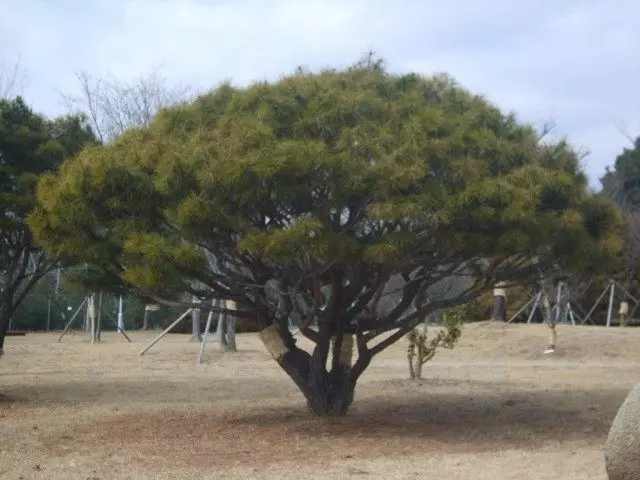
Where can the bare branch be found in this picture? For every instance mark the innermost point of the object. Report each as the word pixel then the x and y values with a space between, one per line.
pixel 12 79
pixel 114 105
pixel 623 128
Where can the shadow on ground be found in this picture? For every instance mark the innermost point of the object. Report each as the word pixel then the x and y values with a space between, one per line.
pixel 418 422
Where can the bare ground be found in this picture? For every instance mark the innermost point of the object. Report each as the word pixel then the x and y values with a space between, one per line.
pixel 493 408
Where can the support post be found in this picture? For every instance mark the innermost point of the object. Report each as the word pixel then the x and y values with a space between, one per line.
pixel 120 318
pixel 49 314
pixel 586 317
pixel 99 320
pixel 72 318
pixel 92 317
pixel 532 299
pixel 120 330
pixel 610 309
pixel 535 305
pixel 207 328
pixel 166 331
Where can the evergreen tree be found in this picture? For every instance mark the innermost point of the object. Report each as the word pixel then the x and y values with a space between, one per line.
pixel 326 195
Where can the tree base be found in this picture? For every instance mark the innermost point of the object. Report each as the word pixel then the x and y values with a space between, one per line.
pixel 330 394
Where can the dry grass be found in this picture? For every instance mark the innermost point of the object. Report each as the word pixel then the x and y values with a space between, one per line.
pixel 494 408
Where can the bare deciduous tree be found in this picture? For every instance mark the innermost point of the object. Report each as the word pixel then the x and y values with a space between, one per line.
pixel 114 105
pixel 11 79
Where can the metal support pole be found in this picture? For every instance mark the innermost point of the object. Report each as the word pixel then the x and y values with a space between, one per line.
pixel 522 309
pixel 49 314
pixel 72 318
pixel 586 317
pixel 98 331
pixel 166 331
pixel 207 328
pixel 120 330
pixel 626 292
pixel 610 310
pixel 535 305
pixel 92 318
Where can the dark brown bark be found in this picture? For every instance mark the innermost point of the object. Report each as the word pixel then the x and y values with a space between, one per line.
pixel 328 394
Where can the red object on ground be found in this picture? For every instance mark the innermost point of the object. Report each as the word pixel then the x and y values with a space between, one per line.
pixel 16 333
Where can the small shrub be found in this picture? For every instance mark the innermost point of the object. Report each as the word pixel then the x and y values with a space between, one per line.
pixel 421 350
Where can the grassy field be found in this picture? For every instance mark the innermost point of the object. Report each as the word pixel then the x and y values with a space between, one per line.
pixel 494 408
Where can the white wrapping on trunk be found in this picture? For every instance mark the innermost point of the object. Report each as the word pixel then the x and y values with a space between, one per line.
pixel 273 342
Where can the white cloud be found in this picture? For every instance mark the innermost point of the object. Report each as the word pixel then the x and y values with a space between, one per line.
pixel 571 60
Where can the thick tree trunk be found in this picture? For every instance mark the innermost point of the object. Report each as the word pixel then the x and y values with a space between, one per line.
pixel 328 393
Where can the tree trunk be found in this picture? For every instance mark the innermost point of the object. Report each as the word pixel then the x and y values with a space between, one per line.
pixel 552 338
pixel 221 331
pixel 624 320
pixel 98 331
pixel 419 364
pixel 146 321
pixel 412 372
pixel 5 316
pixel 499 311
pixel 231 334
pixel 195 326
pixel 328 393
pixel 230 328
pixel 624 314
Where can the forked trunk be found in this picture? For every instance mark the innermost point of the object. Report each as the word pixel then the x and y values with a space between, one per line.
pixel 328 393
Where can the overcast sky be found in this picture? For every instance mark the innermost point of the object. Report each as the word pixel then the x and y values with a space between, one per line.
pixel 572 61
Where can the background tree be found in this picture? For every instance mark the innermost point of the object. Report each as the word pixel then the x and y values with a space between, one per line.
pixel 11 79
pixel 114 106
pixel 342 196
pixel 29 146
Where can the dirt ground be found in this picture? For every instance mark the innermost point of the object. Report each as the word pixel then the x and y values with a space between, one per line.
pixel 493 408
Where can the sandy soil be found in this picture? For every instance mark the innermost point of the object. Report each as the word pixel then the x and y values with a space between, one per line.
pixel 494 408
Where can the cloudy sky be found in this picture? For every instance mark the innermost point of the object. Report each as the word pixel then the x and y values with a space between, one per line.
pixel 571 61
